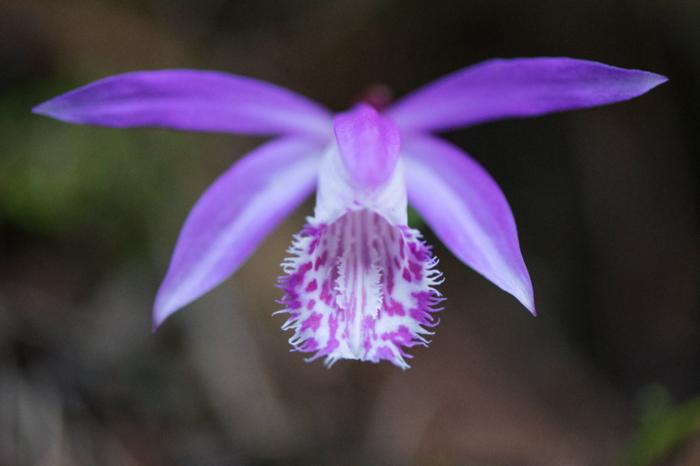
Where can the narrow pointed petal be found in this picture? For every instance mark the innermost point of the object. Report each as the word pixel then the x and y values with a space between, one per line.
pixel 233 216
pixel 359 288
pixel 467 210
pixel 516 88
pixel 189 100
pixel 369 145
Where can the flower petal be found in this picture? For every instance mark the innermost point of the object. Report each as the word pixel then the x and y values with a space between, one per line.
pixel 467 210
pixel 359 288
pixel 520 87
pixel 369 145
pixel 337 193
pixel 189 100
pixel 233 216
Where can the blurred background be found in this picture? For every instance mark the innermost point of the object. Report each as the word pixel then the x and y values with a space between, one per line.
pixel 606 202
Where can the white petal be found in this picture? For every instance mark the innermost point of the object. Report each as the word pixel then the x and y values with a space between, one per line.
pixel 336 193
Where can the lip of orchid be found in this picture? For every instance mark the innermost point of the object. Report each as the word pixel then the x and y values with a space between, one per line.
pixel 359 284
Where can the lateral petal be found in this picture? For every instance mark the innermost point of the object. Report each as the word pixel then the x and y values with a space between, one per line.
pixel 233 216
pixel 516 88
pixel 189 100
pixel 468 211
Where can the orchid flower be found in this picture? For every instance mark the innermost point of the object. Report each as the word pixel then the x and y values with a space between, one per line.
pixel 360 283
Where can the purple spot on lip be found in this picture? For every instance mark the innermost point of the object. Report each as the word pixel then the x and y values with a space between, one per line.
pixel 394 308
pixel 326 295
pixel 389 274
pixel 385 353
pixel 297 278
pixel 313 245
pixel 332 340
pixel 309 345
pixel 311 286
pixel 402 336
pixel 321 260
pixel 416 269
pixel 313 322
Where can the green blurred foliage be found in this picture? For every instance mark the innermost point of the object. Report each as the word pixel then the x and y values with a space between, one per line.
pixel 414 219
pixel 665 426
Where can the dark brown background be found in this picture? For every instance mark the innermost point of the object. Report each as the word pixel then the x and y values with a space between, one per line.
pixel 606 203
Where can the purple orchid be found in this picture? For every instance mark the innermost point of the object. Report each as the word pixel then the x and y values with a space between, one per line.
pixel 360 284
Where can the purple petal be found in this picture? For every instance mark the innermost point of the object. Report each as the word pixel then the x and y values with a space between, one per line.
pixel 368 144
pixel 520 87
pixel 189 100
pixel 467 210
pixel 233 216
